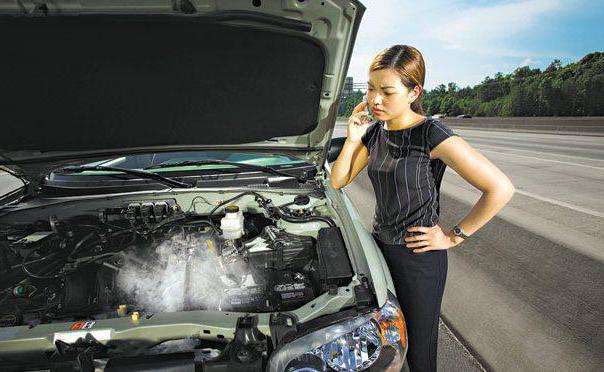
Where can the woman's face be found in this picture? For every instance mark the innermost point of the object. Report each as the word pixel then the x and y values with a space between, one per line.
pixel 386 93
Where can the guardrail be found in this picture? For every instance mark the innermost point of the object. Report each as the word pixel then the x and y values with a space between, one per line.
pixel 559 125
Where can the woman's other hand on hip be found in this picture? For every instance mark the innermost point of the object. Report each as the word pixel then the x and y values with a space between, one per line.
pixel 433 238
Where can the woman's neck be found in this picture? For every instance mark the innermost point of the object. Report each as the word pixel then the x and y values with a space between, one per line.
pixel 406 120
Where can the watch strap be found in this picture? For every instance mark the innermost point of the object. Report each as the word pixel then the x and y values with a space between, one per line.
pixel 459 232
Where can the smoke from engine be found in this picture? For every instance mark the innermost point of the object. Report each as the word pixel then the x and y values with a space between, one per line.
pixel 187 273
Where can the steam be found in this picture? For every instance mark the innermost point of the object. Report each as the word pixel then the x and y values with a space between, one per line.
pixel 187 274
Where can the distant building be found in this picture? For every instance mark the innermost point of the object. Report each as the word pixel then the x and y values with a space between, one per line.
pixel 348 86
pixel 346 92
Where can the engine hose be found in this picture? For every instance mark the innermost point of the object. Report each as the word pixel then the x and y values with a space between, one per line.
pixel 290 218
pixel 278 211
pixel 204 221
pixel 79 245
pixel 53 266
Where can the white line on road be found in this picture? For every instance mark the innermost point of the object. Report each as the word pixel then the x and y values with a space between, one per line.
pixel 583 243
pixel 561 203
pixel 540 152
pixel 550 160
pixel 545 199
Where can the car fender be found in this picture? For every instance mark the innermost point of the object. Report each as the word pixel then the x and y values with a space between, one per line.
pixel 380 274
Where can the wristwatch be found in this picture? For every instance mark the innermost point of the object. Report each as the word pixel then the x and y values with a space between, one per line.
pixel 458 231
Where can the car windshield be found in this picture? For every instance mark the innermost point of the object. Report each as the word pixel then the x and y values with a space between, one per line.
pixel 190 168
pixel 147 161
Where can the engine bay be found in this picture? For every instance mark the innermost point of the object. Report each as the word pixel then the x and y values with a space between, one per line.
pixel 141 257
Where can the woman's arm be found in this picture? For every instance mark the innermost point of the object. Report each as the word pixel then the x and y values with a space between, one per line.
pixel 352 159
pixel 353 156
pixel 496 187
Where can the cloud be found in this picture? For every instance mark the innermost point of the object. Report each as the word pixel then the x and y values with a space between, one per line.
pixel 465 40
pixel 528 62
pixel 485 29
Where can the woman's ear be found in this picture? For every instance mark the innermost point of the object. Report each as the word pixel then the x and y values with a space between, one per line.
pixel 415 93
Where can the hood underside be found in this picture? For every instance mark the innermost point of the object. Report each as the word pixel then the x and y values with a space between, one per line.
pixel 95 84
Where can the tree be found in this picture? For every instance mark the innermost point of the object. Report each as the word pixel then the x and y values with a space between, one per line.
pixel 554 66
pixel 524 72
pixel 350 103
pixel 440 90
pixel 491 89
pixel 574 89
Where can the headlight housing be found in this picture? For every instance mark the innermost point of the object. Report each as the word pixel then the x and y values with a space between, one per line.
pixel 377 339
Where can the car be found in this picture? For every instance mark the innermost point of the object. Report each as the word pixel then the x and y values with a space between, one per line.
pixel 174 210
pixel 438 116
pixel 464 116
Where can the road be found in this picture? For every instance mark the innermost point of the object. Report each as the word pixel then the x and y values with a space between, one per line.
pixel 526 292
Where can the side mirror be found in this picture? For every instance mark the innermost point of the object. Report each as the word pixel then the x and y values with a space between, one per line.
pixel 335 146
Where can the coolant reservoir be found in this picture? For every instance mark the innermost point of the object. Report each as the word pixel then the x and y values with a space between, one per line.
pixel 232 223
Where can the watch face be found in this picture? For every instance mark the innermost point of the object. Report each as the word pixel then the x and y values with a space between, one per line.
pixel 457 230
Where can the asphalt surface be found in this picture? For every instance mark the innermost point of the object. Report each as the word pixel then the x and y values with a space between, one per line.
pixel 526 292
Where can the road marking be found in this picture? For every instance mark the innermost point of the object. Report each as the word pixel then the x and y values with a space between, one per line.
pixel 547 200
pixel 542 153
pixel 550 160
pixel 582 242
pixel 561 203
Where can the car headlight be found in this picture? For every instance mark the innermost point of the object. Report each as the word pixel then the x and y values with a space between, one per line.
pixel 377 339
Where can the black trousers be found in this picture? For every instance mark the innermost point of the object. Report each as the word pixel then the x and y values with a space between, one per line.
pixel 419 280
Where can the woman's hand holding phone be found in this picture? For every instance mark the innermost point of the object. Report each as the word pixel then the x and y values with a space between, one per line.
pixel 358 122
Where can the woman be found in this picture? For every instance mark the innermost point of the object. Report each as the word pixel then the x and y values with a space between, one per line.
pixel 406 154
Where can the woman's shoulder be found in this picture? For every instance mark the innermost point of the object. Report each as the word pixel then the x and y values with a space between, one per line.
pixel 437 131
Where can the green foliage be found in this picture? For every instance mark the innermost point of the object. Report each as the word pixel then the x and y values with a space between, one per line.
pixel 576 89
pixel 350 103
pixel 573 90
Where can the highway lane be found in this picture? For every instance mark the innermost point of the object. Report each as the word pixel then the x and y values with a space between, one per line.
pixel 565 146
pixel 526 292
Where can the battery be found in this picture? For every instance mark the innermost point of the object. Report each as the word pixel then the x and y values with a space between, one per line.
pixel 252 298
pixel 290 290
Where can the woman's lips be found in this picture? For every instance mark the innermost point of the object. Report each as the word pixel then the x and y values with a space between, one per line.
pixel 377 111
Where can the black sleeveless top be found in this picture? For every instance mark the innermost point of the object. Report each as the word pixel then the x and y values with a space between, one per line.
pixel 405 180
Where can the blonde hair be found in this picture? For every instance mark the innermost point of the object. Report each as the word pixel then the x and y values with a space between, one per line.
pixel 408 64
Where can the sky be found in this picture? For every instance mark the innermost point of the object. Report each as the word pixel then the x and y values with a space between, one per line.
pixel 463 41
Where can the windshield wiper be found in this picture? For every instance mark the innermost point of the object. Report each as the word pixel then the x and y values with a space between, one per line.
pixel 134 172
pixel 232 163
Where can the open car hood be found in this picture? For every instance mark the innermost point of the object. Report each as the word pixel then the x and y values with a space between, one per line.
pixel 83 81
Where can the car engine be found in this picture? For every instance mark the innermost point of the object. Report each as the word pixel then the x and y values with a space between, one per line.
pixel 147 257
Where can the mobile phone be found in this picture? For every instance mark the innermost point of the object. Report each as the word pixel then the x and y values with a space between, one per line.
pixel 369 114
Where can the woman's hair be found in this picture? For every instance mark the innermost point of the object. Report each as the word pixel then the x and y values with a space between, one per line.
pixel 409 64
